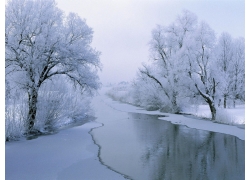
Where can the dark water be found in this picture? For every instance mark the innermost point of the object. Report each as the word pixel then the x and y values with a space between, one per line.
pixel 143 147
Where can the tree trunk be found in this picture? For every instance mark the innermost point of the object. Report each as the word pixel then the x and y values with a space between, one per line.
pixel 234 103
pixel 225 101
pixel 219 102
pixel 174 103
pixel 210 101
pixel 33 95
pixel 212 109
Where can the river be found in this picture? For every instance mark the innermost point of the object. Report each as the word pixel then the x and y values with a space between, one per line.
pixel 142 147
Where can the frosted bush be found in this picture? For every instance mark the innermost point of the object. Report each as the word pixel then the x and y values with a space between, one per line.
pixel 58 105
pixel 15 116
pixel 121 92
pixel 224 117
pixel 145 96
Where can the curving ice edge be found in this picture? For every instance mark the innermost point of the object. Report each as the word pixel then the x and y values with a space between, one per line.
pixel 178 119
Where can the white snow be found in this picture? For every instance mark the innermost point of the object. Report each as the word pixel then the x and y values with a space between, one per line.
pixel 70 154
pixel 234 116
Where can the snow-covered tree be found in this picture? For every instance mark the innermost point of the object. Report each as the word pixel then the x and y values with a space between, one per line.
pixel 148 91
pixel 238 71
pixel 224 55
pixel 201 67
pixel 41 43
pixel 167 67
pixel 189 64
pixel 230 55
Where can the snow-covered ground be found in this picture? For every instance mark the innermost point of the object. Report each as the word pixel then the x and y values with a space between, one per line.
pixel 233 116
pixel 69 154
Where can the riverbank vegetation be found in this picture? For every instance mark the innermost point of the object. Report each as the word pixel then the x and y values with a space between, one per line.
pixel 196 109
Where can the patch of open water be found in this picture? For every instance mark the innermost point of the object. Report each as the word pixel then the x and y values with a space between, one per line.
pixel 142 147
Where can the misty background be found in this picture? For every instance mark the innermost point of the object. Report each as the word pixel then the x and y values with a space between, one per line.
pixel 122 29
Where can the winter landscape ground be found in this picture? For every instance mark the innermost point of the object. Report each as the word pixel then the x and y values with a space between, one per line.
pixel 72 153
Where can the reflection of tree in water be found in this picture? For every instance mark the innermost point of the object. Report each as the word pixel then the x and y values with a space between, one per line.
pixel 178 152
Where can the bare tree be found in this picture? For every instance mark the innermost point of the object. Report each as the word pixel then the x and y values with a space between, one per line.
pixel 42 43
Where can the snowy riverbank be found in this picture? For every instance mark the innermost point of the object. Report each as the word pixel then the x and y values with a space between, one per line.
pixel 69 154
pixel 189 121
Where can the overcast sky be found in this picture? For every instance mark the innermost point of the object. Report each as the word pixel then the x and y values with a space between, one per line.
pixel 122 28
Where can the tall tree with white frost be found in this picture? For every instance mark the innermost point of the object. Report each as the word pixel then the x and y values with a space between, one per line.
pixel 238 71
pixel 41 43
pixel 230 55
pixel 201 67
pixel 165 46
pixel 224 54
